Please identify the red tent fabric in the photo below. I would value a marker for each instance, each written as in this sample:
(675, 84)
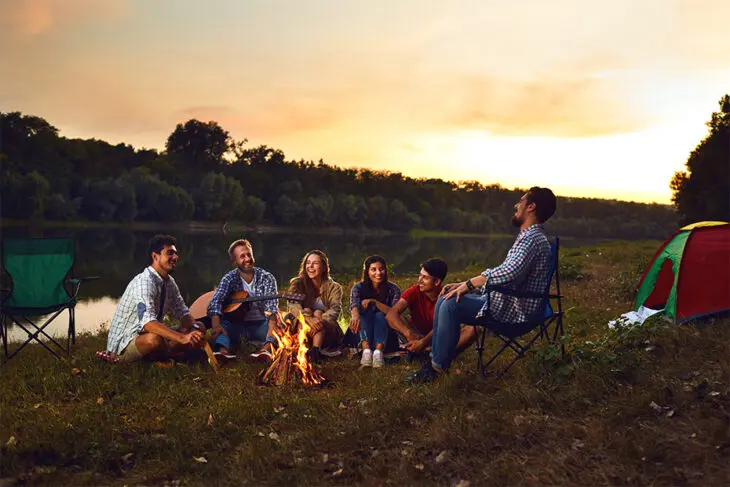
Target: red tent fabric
(689, 275)
(704, 274)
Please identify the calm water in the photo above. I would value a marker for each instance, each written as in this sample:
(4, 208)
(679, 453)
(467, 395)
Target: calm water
(116, 255)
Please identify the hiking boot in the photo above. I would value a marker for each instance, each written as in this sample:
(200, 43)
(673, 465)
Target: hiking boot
(424, 376)
(378, 360)
(315, 355)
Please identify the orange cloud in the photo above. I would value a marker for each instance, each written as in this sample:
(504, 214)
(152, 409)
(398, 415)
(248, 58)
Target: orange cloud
(29, 18)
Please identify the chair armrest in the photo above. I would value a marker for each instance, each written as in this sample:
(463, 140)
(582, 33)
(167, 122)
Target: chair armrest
(77, 283)
(516, 293)
(79, 280)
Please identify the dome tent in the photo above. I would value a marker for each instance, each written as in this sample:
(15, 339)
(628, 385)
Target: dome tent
(689, 275)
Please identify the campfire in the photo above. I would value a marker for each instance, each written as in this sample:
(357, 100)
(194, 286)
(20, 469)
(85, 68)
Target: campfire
(290, 360)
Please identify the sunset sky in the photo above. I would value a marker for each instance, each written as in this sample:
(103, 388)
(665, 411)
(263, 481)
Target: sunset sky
(591, 98)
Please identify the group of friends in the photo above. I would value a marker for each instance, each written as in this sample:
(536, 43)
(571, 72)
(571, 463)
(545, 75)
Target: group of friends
(440, 314)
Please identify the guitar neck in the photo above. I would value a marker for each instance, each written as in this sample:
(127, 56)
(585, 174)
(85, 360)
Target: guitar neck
(251, 299)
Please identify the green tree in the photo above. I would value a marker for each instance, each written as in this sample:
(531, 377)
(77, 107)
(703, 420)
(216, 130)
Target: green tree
(109, 200)
(218, 197)
(702, 192)
(286, 210)
(159, 201)
(197, 147)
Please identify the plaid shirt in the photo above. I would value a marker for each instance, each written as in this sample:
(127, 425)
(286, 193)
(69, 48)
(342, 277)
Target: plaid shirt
(264, 285)
(140, 304)
(525, 269)
(356, 295)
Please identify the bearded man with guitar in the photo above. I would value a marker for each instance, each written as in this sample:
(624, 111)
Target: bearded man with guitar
(255, 319)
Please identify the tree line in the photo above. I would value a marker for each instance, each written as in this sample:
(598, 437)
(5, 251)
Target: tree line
(204, 174)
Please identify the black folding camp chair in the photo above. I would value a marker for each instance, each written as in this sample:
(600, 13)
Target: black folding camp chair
(41, 272)
(520, 336)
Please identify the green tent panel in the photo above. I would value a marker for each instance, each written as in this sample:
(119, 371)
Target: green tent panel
(689, 275)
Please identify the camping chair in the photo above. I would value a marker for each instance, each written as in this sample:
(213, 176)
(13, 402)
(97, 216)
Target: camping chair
(512, 333)
(39, 270)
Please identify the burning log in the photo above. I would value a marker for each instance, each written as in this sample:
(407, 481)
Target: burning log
(290, 359)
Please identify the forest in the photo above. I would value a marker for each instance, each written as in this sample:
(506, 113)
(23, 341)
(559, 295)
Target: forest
(205, 175)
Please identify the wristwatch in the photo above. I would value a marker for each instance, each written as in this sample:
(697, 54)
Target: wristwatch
(469, 285)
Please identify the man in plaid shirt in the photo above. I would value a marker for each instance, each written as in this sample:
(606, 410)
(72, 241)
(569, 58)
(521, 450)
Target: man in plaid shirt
(137, 331)
(259, 317)
(525, 269)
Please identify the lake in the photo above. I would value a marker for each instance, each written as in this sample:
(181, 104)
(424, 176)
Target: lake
(116, 255)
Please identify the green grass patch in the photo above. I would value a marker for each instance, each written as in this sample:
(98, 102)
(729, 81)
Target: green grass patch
(646, 406)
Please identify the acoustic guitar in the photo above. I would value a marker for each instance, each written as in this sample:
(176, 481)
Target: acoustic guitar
(235, 307)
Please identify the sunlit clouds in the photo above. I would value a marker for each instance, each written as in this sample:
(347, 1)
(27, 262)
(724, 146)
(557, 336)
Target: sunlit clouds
(598, 99)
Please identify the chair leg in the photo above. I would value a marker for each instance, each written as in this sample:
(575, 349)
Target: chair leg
(481, 335)
(71, 333)
(73, 325)
(4, 331)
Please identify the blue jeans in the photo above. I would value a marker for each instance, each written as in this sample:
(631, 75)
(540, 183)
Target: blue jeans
(250, 330)
(373, 327)
(447, 320)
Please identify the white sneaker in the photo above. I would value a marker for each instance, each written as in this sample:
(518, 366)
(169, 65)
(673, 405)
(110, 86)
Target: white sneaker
(378, 359)
(367, 358)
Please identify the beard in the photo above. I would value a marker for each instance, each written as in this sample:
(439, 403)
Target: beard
(243, 270)
(516, 221)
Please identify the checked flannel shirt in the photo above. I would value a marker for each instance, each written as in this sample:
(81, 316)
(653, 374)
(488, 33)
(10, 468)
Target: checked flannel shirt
(525, 269)
(140, 304)
(264, 285)
(358, 291)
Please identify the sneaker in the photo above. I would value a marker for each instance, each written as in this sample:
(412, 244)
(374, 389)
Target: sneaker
(424, 376)
(378, 360)
(367, 358)
(329, 352)
(263, 355)
(108, 356)
(223, 358)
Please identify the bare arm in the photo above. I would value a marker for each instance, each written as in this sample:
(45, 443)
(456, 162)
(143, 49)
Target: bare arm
(396, 321)
(160, 329)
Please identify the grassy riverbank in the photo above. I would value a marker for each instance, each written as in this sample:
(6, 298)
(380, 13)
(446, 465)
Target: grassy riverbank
(647, 406)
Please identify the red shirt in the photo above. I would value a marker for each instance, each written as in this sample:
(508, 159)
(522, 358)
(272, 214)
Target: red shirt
(421, 308)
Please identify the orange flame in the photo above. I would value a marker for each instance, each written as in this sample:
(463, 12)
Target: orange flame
(292, 337)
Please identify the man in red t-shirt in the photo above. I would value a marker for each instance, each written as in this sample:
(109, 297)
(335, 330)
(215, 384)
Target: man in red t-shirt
(420, 299)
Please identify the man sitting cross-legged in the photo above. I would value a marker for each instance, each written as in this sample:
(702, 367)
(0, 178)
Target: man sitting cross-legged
(136, 331)
(420, 300)
(254, 324)
(525, 269)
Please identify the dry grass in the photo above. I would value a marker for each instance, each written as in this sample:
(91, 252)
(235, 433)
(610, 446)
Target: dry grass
(637, 407)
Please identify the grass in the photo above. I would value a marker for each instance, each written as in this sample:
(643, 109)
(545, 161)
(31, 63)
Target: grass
(648, 406)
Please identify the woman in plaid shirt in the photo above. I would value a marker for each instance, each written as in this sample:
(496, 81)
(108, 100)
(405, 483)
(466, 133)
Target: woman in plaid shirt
(370, 301)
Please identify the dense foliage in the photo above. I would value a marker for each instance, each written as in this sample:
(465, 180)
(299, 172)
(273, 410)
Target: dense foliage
(206, 175)
(702, 192)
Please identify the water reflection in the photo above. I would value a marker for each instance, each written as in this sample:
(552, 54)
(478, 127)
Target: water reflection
(116, 255)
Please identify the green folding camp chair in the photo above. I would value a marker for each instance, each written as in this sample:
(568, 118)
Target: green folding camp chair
(42, 288)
